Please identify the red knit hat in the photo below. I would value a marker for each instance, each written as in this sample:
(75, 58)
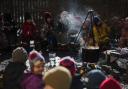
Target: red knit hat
(69, 63)
(110, 83)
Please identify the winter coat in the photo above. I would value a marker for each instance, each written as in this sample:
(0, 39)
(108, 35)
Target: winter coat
(13, 75)
(28, 30)
(101, 33)
(77, 83)
(124, 31)
(32, 81)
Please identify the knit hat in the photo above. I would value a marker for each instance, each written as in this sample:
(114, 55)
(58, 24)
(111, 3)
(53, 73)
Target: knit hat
(95, 78)
(35, 56)
(58, 78)
(19, 55)
(69, 63)
(110, 83)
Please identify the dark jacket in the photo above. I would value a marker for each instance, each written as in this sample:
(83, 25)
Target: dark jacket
(13, 75)
(77, 83)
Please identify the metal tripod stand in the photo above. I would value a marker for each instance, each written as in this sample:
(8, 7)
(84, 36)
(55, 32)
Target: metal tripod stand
(91, 14)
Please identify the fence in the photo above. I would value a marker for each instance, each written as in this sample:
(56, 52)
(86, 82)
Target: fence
(109, 8)
(17, 8)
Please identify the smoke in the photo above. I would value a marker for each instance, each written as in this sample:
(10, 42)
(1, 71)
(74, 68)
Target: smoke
(72, 21)
(74, 17)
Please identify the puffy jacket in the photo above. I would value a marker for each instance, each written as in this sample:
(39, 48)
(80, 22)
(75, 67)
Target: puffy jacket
(28, 30)
(101, 34)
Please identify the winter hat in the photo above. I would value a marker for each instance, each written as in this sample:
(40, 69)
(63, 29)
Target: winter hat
(27, 16)
(69, 63)
(95, 78)
(35, 56)
(19, 55)
(110, 83)
(96, 19)
(58, 78)
(47, 15)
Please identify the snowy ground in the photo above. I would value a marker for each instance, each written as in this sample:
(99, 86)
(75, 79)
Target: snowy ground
(4, 63)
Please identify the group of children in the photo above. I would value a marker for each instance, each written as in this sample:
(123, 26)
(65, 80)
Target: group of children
(17, 76)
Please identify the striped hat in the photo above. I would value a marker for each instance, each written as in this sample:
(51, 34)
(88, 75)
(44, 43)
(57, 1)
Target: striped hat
(35, 56)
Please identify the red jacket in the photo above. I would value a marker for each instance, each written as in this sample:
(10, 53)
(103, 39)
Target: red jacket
(28, 30)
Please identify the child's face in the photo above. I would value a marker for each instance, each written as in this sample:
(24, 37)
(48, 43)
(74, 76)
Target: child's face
(48, 87)
(38, 67)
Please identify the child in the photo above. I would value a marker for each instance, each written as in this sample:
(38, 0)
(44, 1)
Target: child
(95, 78)
(15, 69)
(110, 83)
(70, 64)
(57, 78)
(29, 31)
(33, 79)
